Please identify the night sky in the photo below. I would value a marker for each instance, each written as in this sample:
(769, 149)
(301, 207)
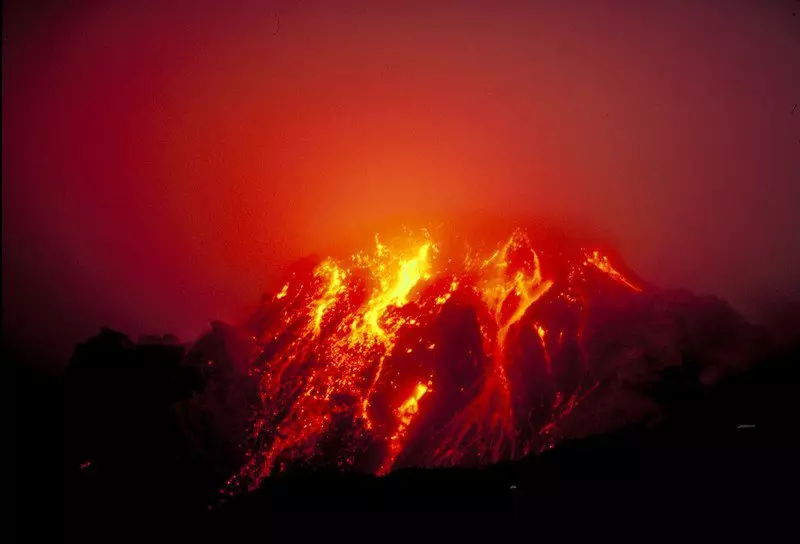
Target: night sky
(162, 161)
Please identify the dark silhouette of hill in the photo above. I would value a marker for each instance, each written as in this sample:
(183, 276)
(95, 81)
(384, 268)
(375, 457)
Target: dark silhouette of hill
(138, 437)
(724, 461)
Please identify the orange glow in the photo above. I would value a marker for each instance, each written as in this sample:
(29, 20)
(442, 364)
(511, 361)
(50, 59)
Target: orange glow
(396, 278)
(358, 332)
(541, 332)
(411, 404)
(283, 292)
(602, 263)
(405, 413)
(334, 287)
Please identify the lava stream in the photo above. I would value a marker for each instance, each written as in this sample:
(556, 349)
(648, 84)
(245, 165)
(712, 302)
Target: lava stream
(404, 356)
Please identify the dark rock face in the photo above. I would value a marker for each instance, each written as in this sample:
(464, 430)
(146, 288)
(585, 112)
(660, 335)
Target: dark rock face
(154, 430)
(153, 425)
(651, 351)
(162, 402)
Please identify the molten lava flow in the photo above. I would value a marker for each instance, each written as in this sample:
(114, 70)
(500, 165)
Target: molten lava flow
(405, 414)
(350, 350)
(601, 262)
(542, 332)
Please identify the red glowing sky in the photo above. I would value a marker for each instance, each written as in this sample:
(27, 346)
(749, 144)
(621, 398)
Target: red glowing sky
(161, 160)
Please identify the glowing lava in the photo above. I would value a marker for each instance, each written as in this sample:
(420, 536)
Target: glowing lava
(349, 352)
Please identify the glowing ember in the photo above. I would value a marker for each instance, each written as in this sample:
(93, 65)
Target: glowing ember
(351, 350)
(405, 414)
(601, 262)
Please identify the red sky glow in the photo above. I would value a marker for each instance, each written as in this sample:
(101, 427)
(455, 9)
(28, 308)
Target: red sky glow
(163, 161)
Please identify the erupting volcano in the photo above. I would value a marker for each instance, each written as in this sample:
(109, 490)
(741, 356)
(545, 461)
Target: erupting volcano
(427, 352)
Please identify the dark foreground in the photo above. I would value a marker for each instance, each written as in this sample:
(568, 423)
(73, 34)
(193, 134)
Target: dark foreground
(696, 473)
(719, 480)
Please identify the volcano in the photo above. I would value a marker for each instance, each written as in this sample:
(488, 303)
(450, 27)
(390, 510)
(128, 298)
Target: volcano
(431, 350)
